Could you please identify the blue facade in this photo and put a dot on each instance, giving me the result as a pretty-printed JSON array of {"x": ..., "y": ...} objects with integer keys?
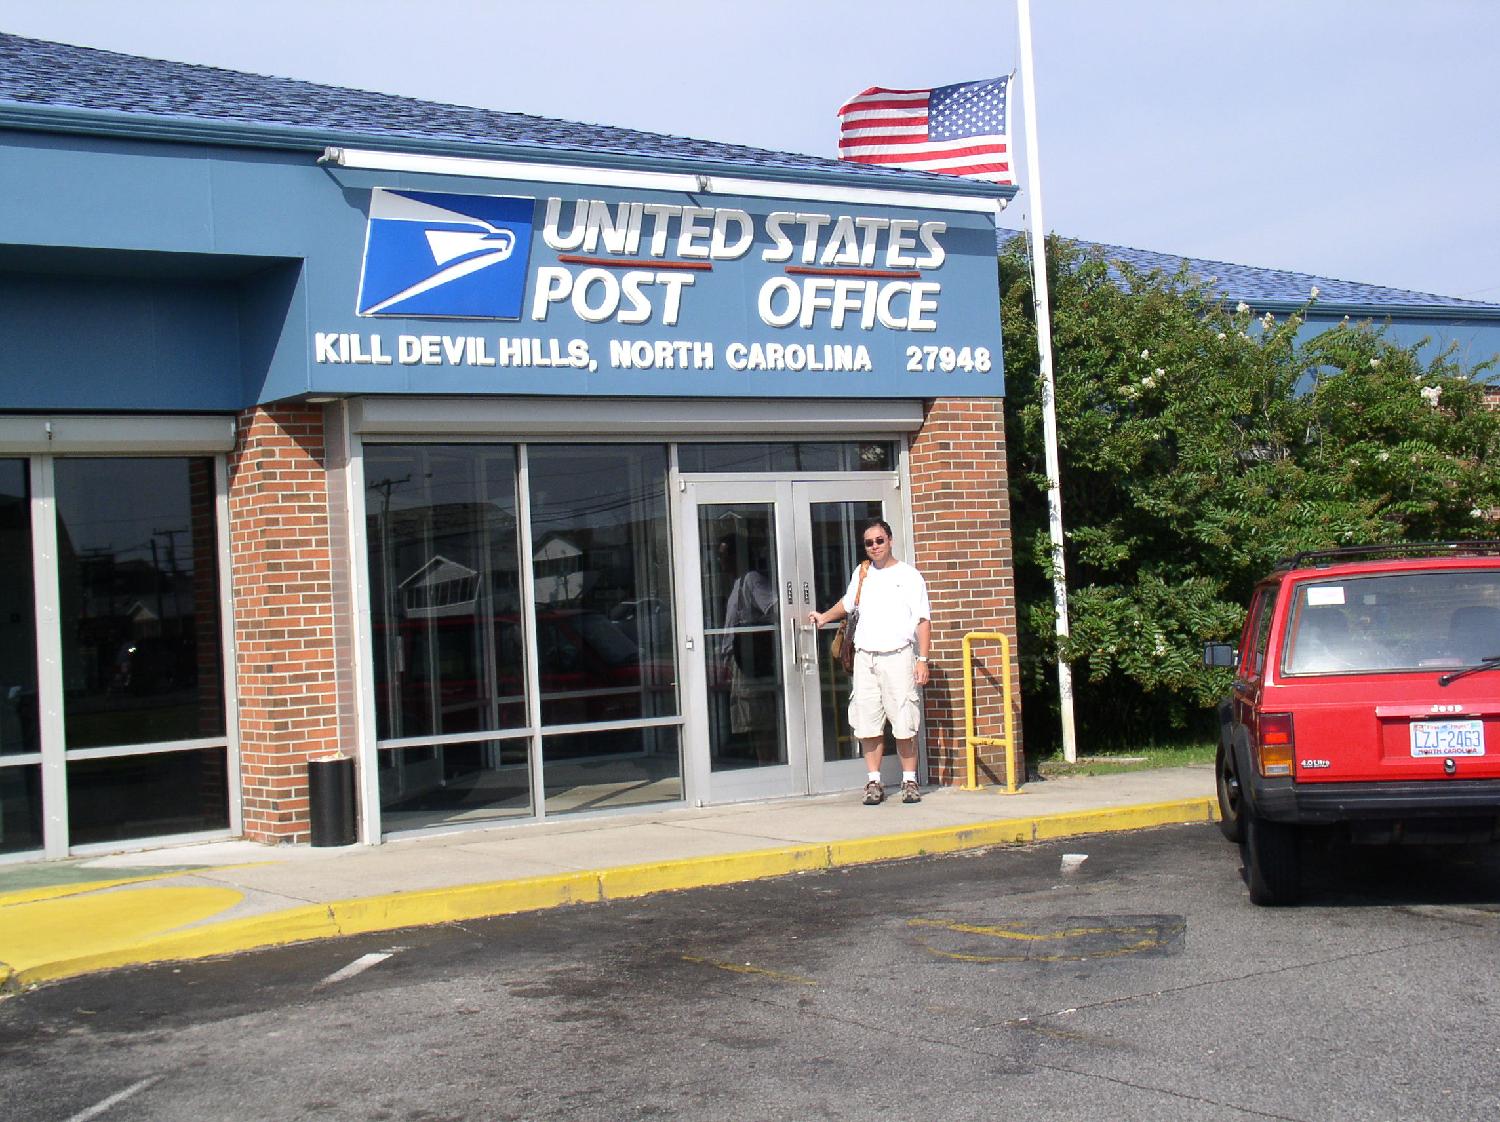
[
  {"x": 174, "y": 239},
  {"x": 172, "y": 242},
  {"x": 178, "y": 277}
]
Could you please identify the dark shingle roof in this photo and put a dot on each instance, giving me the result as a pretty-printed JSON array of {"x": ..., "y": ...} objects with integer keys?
[
  {"x": 56, "y": 76},
  {"x": 1263, "y": 288}
]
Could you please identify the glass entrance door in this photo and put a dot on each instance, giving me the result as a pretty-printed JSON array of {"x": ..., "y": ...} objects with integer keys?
[
  {"x": 769, "y": 718},
  {"x": 829, "y": 516}
]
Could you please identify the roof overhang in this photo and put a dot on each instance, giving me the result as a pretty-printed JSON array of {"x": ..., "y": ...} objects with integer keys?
[{"x": 881, "y": 184}]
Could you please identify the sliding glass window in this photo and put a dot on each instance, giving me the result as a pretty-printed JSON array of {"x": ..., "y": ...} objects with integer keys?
[
  {"x": 448, "y": 633},
  {"x": 142, "y": 657},
  {"x": 20, "y": 741},
  {"x": 602, "y": 565},
  {"x": 457, "y": 613}
]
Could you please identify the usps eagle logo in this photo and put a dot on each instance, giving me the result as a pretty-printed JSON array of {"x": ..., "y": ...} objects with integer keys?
[{"x": 450, "y": 256}]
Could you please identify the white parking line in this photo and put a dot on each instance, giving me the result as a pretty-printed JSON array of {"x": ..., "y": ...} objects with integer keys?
[
  {"x": 118, "y": 1097},
  {"x": 358, "y": 966}
]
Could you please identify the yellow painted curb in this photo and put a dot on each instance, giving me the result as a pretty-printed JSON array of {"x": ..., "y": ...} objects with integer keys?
[
  {"x": 56, "y": 891},
  {"x": 79, "y": 926},
  {"x": 923, "y": 843},
  {"x": 446, "y": 905},
  {"x": 476, "y": 901},
  {"x": 700, "y": 872},
  {"x": 294, "y": 925},
  {"x": 1019, "y": 831},
  {"x": 1141, "y": 817}
]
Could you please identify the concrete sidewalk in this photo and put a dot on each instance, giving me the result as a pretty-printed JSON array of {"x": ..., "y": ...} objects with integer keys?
[{"x": 66, "y": 918}]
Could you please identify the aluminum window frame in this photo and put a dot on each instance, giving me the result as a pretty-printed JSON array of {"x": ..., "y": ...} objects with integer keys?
[{"x": 42, "y": 441}]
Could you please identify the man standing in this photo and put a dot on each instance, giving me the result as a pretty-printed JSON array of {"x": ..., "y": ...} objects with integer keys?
[{"x": 892, "y": 633}]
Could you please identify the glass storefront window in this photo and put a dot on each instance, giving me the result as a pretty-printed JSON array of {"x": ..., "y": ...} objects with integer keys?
[
  {"x": 451, "y": 641},
  {"x": 454, "y": 784},
  {"x": 613, "y": 768},
  {"x": 445, "y": 589},
  {"x": 733, "y": 458},
  {"x": 138, "y": 580},
  {"x": 145, "y": 796},
  {"x": 20, "y": 808},
  {"x": 18, "y": 708},
  {"x": 601, "y": 558}
]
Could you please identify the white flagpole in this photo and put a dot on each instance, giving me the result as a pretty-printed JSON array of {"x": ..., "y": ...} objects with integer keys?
[{"x": 1049, "y": 408}]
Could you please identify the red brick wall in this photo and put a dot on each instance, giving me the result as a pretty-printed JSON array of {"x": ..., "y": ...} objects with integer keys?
[
  {"x": 961, "y": 517},
  {"x": 283, "y": 611}
]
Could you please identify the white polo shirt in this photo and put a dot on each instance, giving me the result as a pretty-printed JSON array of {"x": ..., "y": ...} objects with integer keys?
[{"x": 893, "y": 602}]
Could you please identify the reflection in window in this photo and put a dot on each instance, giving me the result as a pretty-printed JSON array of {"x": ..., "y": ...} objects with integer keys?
[
  {"x": 610, "y": 769},
  {"x": 18, "y": 710},
  {"x": 450, "y": 784},
  {"x": 20, "y": 808},
  {"x": 727, "y": 458},
  {"x": 445, "y": 589},
  {"x": 138, "y": 576},
  {"x": 146, "y": 796},
  {"x": 451, "y": 642},
  {"x": 742, "y": 636},
  {"x": 603, "y": 578}
]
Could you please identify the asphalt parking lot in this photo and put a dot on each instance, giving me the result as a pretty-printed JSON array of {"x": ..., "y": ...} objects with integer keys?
[{"x": 1110, "y": 977}]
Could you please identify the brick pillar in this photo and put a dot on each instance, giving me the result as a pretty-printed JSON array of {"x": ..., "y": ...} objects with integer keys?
[
  {"x": 283, "y": 609},
  {"x": 961, "y": 517}
]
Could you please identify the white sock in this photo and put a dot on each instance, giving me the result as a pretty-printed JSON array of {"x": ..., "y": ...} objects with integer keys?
[
  {"x": 911, "y": 775},
  {"x": 874, "y": 777}
]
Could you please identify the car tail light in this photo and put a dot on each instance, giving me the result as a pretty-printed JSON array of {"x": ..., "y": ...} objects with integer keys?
[{"x": 1276, "y": 743}]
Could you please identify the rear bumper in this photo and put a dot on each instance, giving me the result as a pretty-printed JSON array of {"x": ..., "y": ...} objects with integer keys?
[{"x": 1283, "y": 800}]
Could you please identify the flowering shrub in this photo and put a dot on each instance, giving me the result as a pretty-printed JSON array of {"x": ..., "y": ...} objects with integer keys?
[{"x": 1199, "y": 445}]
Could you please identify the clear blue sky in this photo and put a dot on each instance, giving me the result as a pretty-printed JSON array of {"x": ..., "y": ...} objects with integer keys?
[{"x": 1351, "y": 138}]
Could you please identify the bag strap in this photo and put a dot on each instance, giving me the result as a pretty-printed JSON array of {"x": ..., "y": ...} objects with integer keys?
[{"x": 864, "y": 567}]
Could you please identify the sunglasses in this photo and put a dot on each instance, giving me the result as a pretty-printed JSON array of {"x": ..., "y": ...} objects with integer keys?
[{"x": 871, "y": 543}]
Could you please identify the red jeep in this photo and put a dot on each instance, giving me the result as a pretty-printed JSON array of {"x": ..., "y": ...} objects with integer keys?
[{"x": 1366, "y": 698}]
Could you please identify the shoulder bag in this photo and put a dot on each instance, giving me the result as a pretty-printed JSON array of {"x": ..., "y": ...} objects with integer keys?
[{"x": 842, "y": 647}]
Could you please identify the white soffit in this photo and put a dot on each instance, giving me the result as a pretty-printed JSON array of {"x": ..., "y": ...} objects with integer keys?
[{"x": 368, "y": 160}]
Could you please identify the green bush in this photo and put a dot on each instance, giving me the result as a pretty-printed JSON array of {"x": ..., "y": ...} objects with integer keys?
[{"x": 1199, "y": 444}]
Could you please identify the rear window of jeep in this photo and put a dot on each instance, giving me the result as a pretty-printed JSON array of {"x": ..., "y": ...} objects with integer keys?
[{"x": 1393, "y": 621}]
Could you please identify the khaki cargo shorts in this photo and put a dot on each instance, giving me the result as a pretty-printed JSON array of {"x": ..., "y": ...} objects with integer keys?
[{"x": 885, "y": 690}]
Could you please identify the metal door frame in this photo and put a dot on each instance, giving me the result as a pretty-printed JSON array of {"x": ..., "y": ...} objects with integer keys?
[
  {"x": 833, "y": 775},
  {"x": 806, "y": 770},
  {"x": 704, "y": 786}
]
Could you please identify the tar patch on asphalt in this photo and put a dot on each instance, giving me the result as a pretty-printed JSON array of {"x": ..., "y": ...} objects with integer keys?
[
  {"x": 748, "y": 968},
  {"x": 1050, "y": 939}
]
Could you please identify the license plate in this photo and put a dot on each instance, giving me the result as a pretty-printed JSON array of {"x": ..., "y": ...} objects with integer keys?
[{"x": 1447, "y": 738}]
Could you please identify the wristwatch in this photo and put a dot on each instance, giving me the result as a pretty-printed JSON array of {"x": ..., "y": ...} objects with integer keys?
[{"x": 922, "y": 658}]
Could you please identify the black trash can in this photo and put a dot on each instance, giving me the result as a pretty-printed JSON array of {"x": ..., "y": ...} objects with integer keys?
[{"x": 330, "y": 797}]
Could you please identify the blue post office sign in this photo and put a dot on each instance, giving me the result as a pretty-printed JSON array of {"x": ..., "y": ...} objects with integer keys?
[{"x": 656, "y": 294}]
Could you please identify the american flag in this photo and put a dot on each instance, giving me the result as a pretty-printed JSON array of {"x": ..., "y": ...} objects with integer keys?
[{"x": 956, "y": 130}]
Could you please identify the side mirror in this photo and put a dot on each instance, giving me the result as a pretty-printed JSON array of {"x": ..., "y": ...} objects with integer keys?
[{"x": 1220, "y": 654}]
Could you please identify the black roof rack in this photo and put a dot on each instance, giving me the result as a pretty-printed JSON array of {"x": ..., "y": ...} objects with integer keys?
[{"x": 1485, "y": 548}]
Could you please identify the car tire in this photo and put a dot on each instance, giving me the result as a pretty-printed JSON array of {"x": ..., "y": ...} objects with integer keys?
[
  {"x": 1272, "y": 867},
  {"x": 1231, "y": 808}
]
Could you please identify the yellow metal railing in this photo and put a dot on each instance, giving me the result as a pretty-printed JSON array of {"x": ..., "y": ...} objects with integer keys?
[{"x": 973, "y": 743}]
